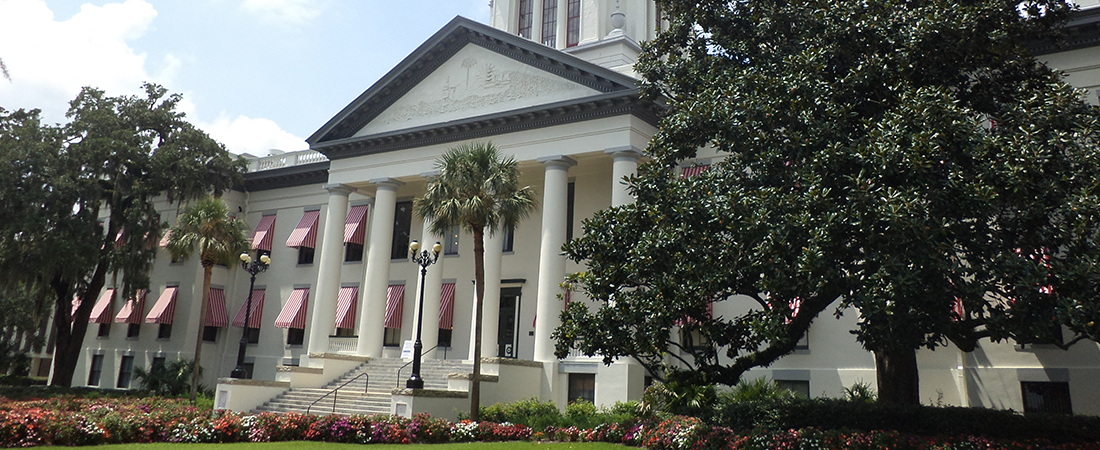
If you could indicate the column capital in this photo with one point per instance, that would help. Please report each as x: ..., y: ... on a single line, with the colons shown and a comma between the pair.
x: 557, y: 161
x: 339, y: 189
x: 628, y: 151
x: 387, y: 182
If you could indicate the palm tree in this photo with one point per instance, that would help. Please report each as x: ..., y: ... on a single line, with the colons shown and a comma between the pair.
x: 475, y: 189
x: 206, y: 225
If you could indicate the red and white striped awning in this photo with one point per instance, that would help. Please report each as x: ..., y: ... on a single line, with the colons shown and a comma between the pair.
x: 165, y: 307
x: 447, y: 307
x: 346, y: 307
x: 76, y: 304
x: 167, y: 236
x: 293, y: 314
x: 120, y: 238
x: 101, y: 312
x: 395, y: 306
x: 305, y: 234
x: 264, y: 234
x: 131, y: 311
x: 254, y: 320
x: 355, y: 228
x: 693, y: 171
x: 215, y: 311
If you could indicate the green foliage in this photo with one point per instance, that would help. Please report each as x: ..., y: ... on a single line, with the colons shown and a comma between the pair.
x: 170, y: 379
x: 757, y: 390
x: 205, y: 226
x: 895, y: 157
x: 80, y: 199
x: 860, y: 392
x: 539, y: 415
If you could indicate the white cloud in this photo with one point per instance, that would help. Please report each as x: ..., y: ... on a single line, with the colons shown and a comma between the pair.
x: 288, y: 13
x: 251, y: 135
x: 50, y: 61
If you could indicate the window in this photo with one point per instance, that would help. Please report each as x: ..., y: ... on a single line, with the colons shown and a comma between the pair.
x: 800, y: 388
x: 210, y: 334
x: 345, y: 332
x: 509, y: 239
x: 525, y: 17
x: 248, y: 367
x: 133, y: 330
x: 95, y: 370
x: 450, y: 244
x: 305, y: 256
x: 804, y: 343
x: 165, y: 331
x: 660, y: 19
x: 125, y: 369
x: 573, y: 24
x: 392, y: 338
x: 295, y: 336
x: 104, y: 330
x: 1046, y: 397
x: 549, y: 22
x: 582, y: 386
x: 569, y: 203
x: 402, y: 221
x: 353, y: 252
x: 444, y: 337
x: 158, y: 361
x: 253, y: 335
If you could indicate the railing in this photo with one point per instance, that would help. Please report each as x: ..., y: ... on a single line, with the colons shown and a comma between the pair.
x: 334, y: 392
x: 342, y: 344
x: 286, y: 160
x: 399, y: 369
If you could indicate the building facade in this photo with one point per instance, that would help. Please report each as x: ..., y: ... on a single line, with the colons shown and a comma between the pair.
x: 550, y: 83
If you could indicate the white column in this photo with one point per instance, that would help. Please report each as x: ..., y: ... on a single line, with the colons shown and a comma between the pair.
x: 432, y: 288
x: 372, y: 315
x: 490, y: 319
x: 625, y: 164
x: 322, y: 304
x: 536, y: 22
x: 551, y: 260
x: 562, y: 37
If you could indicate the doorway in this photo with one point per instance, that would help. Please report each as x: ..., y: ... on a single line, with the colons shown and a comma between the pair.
x: 507, y: 332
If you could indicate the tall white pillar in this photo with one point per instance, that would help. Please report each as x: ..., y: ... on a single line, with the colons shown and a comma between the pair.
x: 563, y: 17
x: 432, y: 287
x: 490, y: 320
x: 322, y: 305
x: 372, y: 316
x: 551, y: 261
x: 624, y: 164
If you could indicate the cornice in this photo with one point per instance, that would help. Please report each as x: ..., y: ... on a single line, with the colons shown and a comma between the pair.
x: 306, y: 174
x: 608, y: 105
x: 1081, y: 31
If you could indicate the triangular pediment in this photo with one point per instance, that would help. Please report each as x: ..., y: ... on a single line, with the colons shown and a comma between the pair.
x: 468, y: 77
x: 474, y: 82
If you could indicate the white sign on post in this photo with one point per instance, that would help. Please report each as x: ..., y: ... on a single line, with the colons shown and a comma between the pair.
x: 407, y: 349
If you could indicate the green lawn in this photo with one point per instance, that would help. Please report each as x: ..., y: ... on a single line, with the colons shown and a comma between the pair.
x: 311, y: 445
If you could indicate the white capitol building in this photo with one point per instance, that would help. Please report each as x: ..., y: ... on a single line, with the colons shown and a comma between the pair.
x: 551, y: 83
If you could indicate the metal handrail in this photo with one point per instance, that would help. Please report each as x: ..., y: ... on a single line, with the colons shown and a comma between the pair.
x: 399, y: 369
x: 334, y: 394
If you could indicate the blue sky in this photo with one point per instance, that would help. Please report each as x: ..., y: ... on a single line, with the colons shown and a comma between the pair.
x: 255, y: 74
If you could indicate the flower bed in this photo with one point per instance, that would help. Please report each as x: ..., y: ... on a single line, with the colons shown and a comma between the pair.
x: 70, y: 422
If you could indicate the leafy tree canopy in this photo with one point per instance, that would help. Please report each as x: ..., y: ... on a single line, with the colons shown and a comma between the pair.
x: 80, y: 199
x: 909, y: 159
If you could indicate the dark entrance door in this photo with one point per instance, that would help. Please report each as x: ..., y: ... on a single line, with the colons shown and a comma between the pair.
x: 507, y: 336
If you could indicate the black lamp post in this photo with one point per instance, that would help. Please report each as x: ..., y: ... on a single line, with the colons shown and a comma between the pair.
x: 253, y: 268
x: 424, y: 260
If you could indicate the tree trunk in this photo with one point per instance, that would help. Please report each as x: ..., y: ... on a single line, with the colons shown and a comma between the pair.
x: 896, y: 372
x: 479, y: 292
x: 207, y: 270
x: 72, y: 328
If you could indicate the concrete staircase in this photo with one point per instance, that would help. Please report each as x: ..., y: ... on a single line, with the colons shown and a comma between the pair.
x: 361, y: 397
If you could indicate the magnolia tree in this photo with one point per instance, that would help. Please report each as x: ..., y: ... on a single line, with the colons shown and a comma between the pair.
x: 909, y: 160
